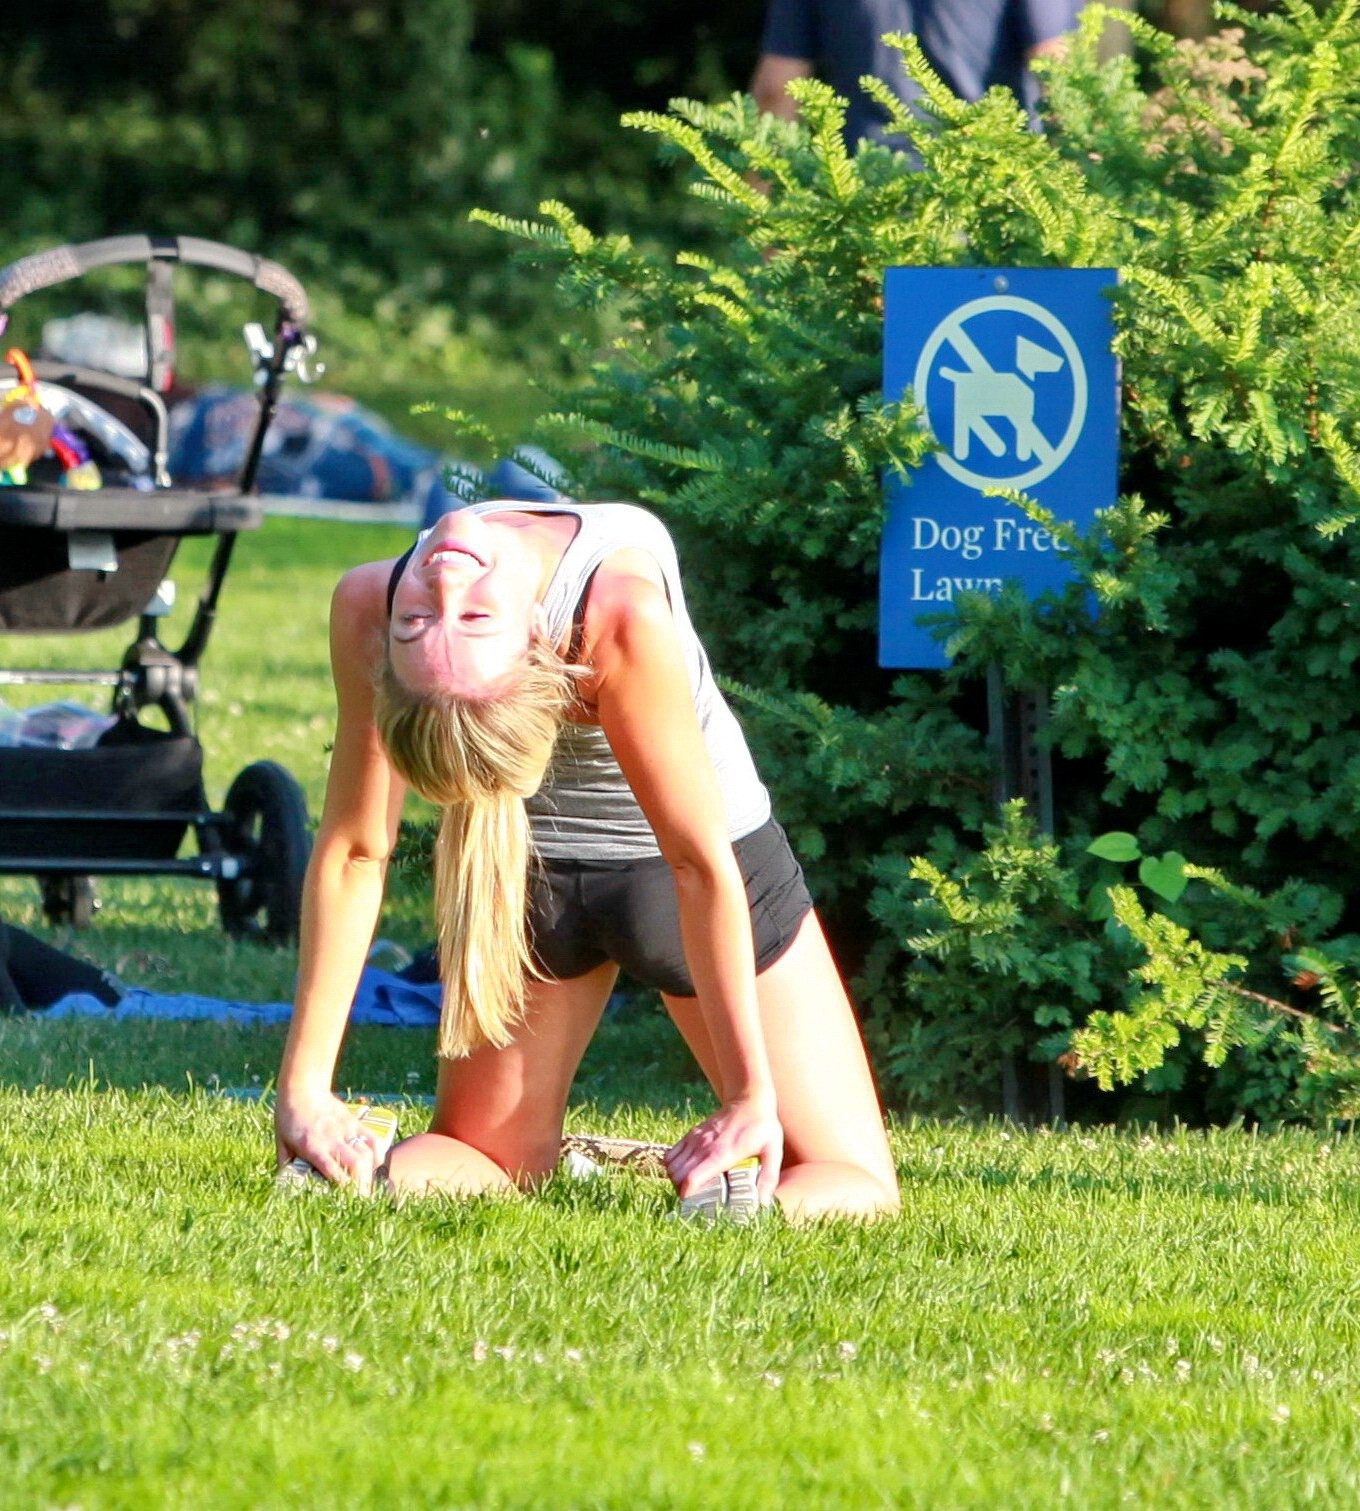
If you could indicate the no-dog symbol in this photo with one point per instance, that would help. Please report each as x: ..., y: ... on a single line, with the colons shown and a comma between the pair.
x: 1014, y: 371
x: 1005, y: 389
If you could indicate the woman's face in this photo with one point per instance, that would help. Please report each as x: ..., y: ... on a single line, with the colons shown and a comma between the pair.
x: 464, y: 608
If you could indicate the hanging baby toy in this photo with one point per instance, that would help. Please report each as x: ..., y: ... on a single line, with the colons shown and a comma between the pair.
x: 21, y: 407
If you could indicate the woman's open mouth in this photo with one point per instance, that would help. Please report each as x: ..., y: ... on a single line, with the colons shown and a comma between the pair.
x: 447, y: 553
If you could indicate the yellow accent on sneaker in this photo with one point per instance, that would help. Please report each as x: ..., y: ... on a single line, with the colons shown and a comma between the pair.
x: 730, y: 1197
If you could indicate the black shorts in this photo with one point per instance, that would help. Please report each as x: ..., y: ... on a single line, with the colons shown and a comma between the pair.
x: 583, y: 913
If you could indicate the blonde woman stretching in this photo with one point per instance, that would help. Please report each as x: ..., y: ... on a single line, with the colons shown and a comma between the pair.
x: 511, y: 633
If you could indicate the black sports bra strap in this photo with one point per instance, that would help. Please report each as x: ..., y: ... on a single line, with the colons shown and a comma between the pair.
x: 398, y: 567
x: 578, y: 624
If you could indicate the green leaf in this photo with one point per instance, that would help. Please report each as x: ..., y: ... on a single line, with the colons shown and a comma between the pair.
x: 1116, y: 845
x: 1098, y: 904
x: 1166, y: 877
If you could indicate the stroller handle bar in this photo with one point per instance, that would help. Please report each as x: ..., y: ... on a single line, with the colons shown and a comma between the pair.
x: 42, y: 270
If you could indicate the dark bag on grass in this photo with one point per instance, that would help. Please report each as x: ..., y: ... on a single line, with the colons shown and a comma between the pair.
x: 34, y: 975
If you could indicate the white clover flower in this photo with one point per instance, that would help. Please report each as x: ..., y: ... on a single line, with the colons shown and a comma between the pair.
x: 696, y: 1450
x: 1281, y: 1413
x: 846, y: 1349
x: 573, y: 1355
x: 480, y: 1349
x: 353, y: 1362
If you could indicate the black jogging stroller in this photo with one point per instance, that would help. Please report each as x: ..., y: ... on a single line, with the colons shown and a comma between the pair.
x: 81, y: 559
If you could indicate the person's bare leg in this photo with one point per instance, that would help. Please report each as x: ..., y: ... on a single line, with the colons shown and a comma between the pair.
x: 498, y: 1113
x: 836, y: 1156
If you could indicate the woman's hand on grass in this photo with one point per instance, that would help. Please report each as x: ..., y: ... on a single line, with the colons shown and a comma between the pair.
x: 738, y: 1130
x: 318, y: 1127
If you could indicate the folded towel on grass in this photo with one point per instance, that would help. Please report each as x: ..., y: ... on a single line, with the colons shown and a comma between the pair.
x: 382, y: 998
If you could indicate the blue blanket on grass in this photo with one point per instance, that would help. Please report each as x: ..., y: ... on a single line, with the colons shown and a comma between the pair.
x: 382, y: 998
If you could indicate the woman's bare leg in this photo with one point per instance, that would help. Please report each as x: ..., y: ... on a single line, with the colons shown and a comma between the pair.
x: 836, y: 1156
x: 498, y: 1113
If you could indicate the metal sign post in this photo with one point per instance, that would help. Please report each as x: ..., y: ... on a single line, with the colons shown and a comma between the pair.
x: 1015, y: 371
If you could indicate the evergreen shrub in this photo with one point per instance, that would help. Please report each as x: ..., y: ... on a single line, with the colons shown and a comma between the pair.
x: 1205, y: 709
x: 349, y: 140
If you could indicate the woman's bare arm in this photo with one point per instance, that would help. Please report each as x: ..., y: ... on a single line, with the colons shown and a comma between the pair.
x: 646, y: 708
x: 343, y: 892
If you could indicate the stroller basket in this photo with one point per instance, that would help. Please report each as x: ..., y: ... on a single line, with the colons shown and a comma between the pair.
x: 76, y: 558
x: 52, y: 802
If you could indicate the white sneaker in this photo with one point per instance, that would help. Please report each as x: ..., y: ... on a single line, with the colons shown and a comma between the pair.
x: 730, y: 1197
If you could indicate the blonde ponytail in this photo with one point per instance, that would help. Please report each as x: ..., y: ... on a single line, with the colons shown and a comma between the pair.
x: 479, y: 760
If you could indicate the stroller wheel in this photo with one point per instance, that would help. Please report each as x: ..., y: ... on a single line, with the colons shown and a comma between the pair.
x: 69, y: 900
x: 264, y: 826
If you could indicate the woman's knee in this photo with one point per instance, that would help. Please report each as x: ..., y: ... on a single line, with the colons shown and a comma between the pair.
x: 526, y: 1148
x: 432, y: 1163
x: 833, y: 1188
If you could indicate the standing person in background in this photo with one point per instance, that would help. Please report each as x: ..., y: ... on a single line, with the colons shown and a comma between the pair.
x: 975, y: 45
x: 839, y: 41
x: 972, y: 44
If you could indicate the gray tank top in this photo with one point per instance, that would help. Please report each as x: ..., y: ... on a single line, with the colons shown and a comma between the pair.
x: 585, y: 809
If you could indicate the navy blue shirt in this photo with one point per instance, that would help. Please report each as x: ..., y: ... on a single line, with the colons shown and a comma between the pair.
x: 978, y: 44
x: 972, y: 44
x: 843, y: 41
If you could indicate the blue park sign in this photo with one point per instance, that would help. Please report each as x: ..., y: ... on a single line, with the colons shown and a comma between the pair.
x: 1015, y: 372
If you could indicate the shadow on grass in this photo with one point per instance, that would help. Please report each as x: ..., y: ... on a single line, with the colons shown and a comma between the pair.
x: 636, y: 1060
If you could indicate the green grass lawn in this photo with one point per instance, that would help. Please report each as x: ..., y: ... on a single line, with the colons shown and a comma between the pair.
x: 1085, y: 1318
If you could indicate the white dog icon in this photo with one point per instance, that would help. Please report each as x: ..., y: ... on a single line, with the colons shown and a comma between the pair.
x: 981, y: 394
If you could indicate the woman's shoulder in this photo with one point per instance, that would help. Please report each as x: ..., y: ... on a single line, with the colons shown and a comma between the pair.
x: 359, y: 616
x: 362, y: 590
x: 628, y: 600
